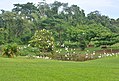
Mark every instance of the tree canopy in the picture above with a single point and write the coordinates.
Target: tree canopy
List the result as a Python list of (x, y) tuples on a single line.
[(67, 23)]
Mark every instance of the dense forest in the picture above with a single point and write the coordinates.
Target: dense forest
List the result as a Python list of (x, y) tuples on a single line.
[(69, 25)]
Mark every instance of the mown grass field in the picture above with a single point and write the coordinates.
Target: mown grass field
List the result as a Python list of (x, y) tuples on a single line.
[(22, 69)]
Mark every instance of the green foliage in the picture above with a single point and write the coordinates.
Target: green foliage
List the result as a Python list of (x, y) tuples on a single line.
[(2, 36), (43, 40), (82, 44), (28, 50), (71, 44), (73, 34), (77, 36), (106, 39), (10, 50), (67, 23), (15, 27), (115, 46)]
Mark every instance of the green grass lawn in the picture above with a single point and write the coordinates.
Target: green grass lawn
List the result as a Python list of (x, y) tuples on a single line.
[(22, 69)]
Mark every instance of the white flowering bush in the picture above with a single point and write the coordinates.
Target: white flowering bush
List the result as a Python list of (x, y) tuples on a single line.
[(44, 40)]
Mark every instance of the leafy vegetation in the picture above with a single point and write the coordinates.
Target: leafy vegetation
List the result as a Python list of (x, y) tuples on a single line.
[(43, 40), (10, 50), (67, 23)]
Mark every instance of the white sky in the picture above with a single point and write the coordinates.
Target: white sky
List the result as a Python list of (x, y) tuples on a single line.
[(106, 7)]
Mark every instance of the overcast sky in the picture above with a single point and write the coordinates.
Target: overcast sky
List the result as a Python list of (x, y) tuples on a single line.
[(106, 7)]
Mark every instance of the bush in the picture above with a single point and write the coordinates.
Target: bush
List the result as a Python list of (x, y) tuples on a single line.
[(10, 50), (71, 44), (115, 45), (1, 42), (43, 40), (28, 50), (82, 45)]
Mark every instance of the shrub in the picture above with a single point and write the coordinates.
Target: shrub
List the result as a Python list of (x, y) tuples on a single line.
[(71, 44), (10, 50), (28, 50), (82, 45), (43, 40)]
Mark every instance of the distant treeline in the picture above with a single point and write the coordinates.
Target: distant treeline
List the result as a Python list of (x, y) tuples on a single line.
[(69, 25)]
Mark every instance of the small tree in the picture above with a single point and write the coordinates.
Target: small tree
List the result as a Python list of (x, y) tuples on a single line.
[(43, 40)]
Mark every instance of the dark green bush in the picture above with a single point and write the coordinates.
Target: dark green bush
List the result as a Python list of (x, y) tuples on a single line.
[(82, 45), (72, 44)]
